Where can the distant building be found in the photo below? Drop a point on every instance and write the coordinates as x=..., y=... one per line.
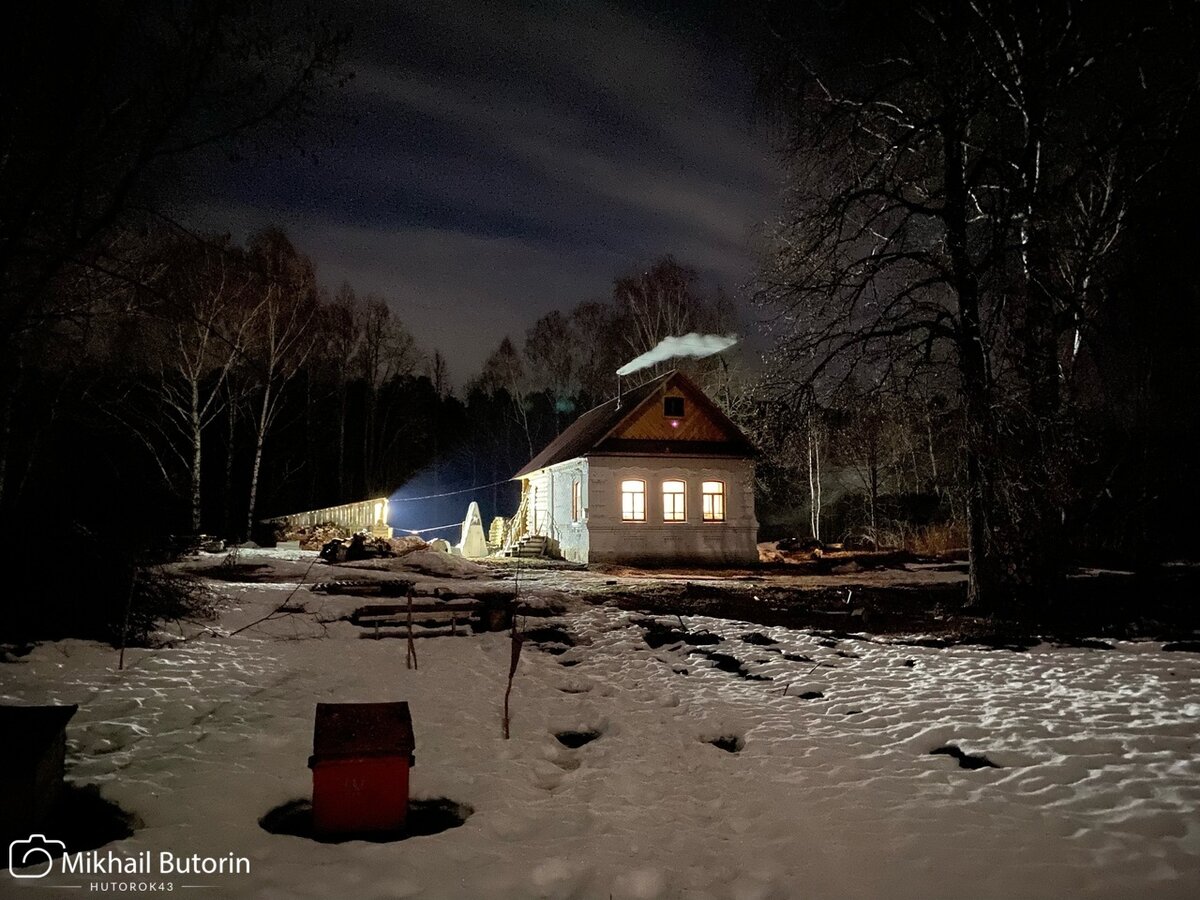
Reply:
x=657, y=475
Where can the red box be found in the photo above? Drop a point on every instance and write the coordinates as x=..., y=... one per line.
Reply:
x=361, y=756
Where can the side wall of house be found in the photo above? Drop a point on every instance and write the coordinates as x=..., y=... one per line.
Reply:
x=551, y=508
x=732, y=542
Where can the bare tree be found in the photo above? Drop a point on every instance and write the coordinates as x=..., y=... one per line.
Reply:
x=439, y=377
x=205, y=319
x=657, y=303
x=387, y=351
x=343, y=328
x=99, y=102
x=597, y=356
x=504, y=371
x=551, y=350
x=951, y=207
x=283, y=335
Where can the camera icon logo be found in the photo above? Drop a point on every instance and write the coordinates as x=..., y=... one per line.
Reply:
x=36, y=854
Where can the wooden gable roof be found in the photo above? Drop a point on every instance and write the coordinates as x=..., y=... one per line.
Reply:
x=636, y=424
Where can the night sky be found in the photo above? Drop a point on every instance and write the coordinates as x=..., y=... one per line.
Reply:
x=490, y=163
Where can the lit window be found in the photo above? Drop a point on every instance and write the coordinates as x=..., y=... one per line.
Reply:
x=633, y=501
x=576, y=500
x=713, y=493
x=673, y=407
x=674, y=501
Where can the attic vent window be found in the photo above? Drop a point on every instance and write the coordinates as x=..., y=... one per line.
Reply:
x=673, y=407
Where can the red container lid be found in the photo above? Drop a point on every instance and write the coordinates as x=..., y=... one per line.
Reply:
x=357, y=730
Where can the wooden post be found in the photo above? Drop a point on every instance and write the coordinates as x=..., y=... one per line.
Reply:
x=410, y=660
x=125, y=623
x=517, y=640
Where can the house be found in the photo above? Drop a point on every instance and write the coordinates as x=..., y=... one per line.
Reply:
x=656, y=475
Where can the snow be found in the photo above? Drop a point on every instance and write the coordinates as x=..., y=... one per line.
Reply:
x=431, y=562
x=1097, y=794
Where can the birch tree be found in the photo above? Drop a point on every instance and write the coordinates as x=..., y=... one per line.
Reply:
x=282, y=337
x=205, y=321
x=103, y=101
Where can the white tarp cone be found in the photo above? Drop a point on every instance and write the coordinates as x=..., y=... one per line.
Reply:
x=473, y=544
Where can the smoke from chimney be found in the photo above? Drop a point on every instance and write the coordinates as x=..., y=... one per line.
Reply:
x=693, y=345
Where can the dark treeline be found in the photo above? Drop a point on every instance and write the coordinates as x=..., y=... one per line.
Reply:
x=226, y=386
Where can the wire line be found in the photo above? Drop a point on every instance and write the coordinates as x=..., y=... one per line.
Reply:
x=449, y=493
x=423, y=530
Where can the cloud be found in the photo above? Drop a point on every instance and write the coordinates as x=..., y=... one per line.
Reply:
x=507, y=161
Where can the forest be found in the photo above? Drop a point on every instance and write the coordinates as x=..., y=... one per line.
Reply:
x=972, y=325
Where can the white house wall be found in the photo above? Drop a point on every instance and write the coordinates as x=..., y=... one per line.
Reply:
x=609, y=539
x=550, y=508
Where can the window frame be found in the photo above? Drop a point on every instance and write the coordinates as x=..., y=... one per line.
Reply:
x=708, y=502
x=576, y=500
x=682, y=494
x=633, y=513
x=683, y=408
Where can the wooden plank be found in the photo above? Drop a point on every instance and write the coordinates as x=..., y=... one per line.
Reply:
x=418, y=632
x=446, y=615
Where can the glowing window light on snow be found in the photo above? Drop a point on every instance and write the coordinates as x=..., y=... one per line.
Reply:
x=633, y=500
x=713, y=495
x=674, y=501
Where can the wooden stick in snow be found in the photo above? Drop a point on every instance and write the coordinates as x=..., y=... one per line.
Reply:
x=410, y=661
x=517, y=641
x=125, y=623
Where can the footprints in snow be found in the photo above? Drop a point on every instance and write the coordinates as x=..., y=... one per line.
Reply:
x=759, y=639
x=550, y=639
x=730, y=743
x=965, y=760
x=565, y=757
x=727, y=663
x=576, y=739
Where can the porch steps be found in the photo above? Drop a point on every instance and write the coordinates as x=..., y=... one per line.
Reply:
x=530, y=547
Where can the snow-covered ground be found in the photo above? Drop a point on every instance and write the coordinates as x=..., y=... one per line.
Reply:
x=1097, y=794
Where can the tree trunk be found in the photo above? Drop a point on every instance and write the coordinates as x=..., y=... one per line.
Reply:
x=873, y=463
x=984, y=589
x=6, y=431
x=196, y=437
x=814, y=483
x=369, y=426
x=227, y=517
x=259, y=439
x=341, y=448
